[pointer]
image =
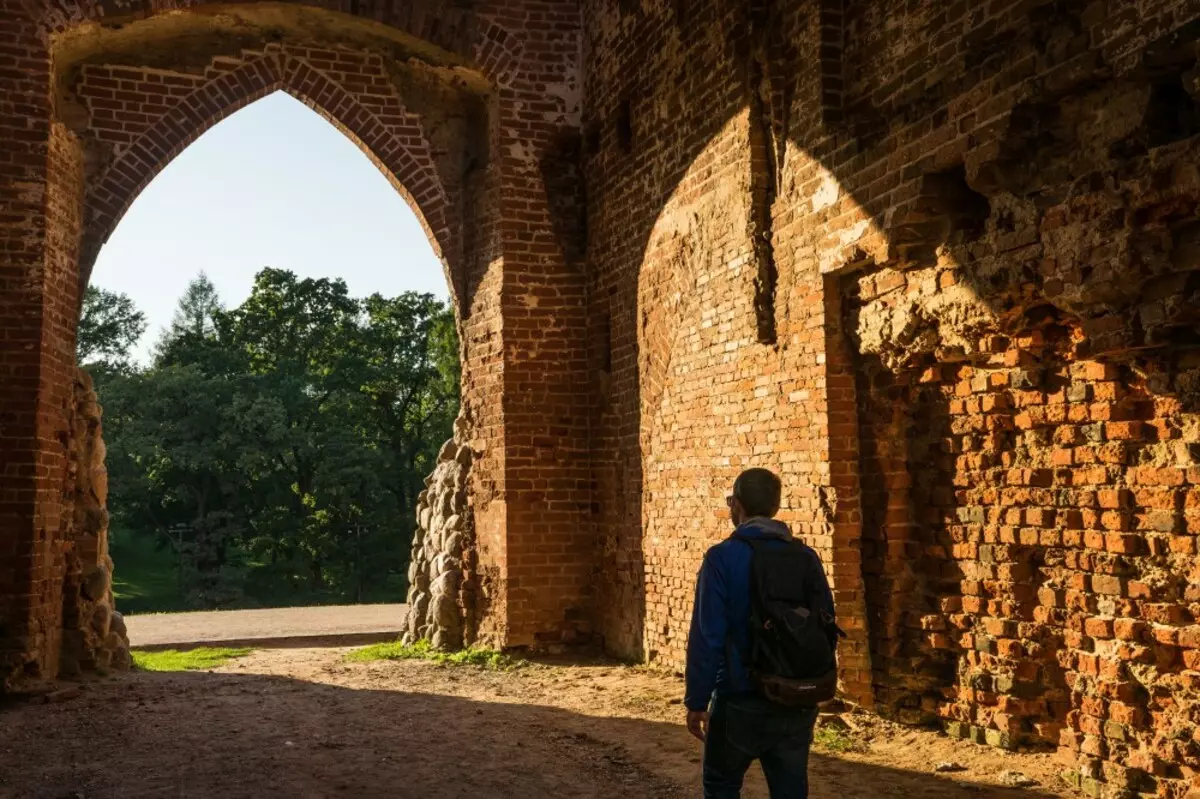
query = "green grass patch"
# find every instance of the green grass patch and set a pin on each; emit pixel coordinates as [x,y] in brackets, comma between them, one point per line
[144,578]
[835,739]
[422,650]
[205,657]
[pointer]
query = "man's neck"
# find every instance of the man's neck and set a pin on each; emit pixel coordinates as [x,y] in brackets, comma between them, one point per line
[766,522]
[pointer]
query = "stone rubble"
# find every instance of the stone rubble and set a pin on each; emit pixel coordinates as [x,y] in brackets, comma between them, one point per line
[94,634]
[440,595]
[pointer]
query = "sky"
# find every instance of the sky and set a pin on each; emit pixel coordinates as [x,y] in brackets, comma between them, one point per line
[273,184]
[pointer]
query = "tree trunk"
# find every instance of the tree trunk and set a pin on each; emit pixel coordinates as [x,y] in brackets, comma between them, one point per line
[358,576]
[317,577]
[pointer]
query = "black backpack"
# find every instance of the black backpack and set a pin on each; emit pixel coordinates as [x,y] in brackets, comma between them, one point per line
[793,643]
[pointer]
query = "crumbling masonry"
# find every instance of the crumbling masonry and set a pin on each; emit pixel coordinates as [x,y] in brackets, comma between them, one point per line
[441,579]
[938,263]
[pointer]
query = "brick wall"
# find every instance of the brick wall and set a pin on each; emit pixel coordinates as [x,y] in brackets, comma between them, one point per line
[1029,556]
[471,112]
[549,546]
[932,262]
[40,253]
[25,129]
[717,342]
[980,225]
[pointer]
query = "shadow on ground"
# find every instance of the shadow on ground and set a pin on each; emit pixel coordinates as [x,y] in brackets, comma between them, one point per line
[205,735]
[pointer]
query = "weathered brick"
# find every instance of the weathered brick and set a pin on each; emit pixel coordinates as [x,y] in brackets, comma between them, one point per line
[831,311]
[133,118]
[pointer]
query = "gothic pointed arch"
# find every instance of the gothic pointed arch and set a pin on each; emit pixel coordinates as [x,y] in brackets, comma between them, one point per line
[392,137]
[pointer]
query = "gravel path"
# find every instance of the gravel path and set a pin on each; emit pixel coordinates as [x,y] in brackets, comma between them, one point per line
[346,624]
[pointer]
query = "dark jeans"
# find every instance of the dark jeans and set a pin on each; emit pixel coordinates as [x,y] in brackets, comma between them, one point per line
[742,729]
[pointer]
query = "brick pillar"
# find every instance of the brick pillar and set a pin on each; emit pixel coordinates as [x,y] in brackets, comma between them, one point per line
[548,540]
[24,129]
[40,195]
[59,280]
[844,506]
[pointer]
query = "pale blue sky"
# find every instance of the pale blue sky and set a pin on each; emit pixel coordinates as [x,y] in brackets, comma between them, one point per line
[271,185]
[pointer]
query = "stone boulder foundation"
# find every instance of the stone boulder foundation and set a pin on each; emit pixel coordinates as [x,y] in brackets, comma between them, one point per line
[441,595]
[94,635]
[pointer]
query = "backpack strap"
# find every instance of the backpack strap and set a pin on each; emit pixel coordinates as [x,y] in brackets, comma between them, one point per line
[748,658]
[755,545]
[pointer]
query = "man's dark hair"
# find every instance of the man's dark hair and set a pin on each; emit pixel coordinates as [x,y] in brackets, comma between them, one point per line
[758,490]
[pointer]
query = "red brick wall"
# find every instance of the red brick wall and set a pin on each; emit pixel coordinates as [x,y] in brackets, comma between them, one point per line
[1031,577]
[56,388]
[25,130]
[675,225]
[474,124]
[550,537]
[933,262]
[993,169]
[41,234]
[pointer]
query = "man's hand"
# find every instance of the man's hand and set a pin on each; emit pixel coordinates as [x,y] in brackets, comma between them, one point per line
[697,723]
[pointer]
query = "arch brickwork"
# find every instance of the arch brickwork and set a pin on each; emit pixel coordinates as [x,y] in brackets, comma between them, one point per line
[935,262]
[350,91]
[453,29]
[451,103]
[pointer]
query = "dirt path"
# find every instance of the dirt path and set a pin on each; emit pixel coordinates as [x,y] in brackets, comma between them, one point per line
[305,723]
[340,624]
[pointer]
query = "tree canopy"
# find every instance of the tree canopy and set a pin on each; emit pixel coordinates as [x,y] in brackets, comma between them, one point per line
[276,449]
[109,328]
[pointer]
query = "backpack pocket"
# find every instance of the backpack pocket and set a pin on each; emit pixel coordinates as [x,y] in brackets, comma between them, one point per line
[791,692]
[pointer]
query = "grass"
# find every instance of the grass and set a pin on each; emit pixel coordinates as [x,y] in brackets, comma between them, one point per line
[646,702]
[189,660]
[144,579]
[835,739]
[422,650]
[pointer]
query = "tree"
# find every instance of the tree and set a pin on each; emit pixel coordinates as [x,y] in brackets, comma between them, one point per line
[412,380]
[197,310]
[193,329]
[110,325]
[175,454]
[290,434]
[298,339]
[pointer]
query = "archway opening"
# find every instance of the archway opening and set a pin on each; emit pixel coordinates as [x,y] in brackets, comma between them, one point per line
[277,360]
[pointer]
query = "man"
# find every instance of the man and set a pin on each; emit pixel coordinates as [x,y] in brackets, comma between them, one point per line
[736,723]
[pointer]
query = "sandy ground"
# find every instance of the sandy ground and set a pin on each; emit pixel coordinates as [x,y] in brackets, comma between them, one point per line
[306,723]
[381,622]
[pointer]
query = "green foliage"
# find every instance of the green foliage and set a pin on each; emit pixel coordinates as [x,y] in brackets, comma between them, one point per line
[422,650]
[188,660]
[833,738]
[194,325]
[144,576]
[109,327]
[275,451]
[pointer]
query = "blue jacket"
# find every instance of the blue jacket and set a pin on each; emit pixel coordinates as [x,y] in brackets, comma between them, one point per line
[721,616]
